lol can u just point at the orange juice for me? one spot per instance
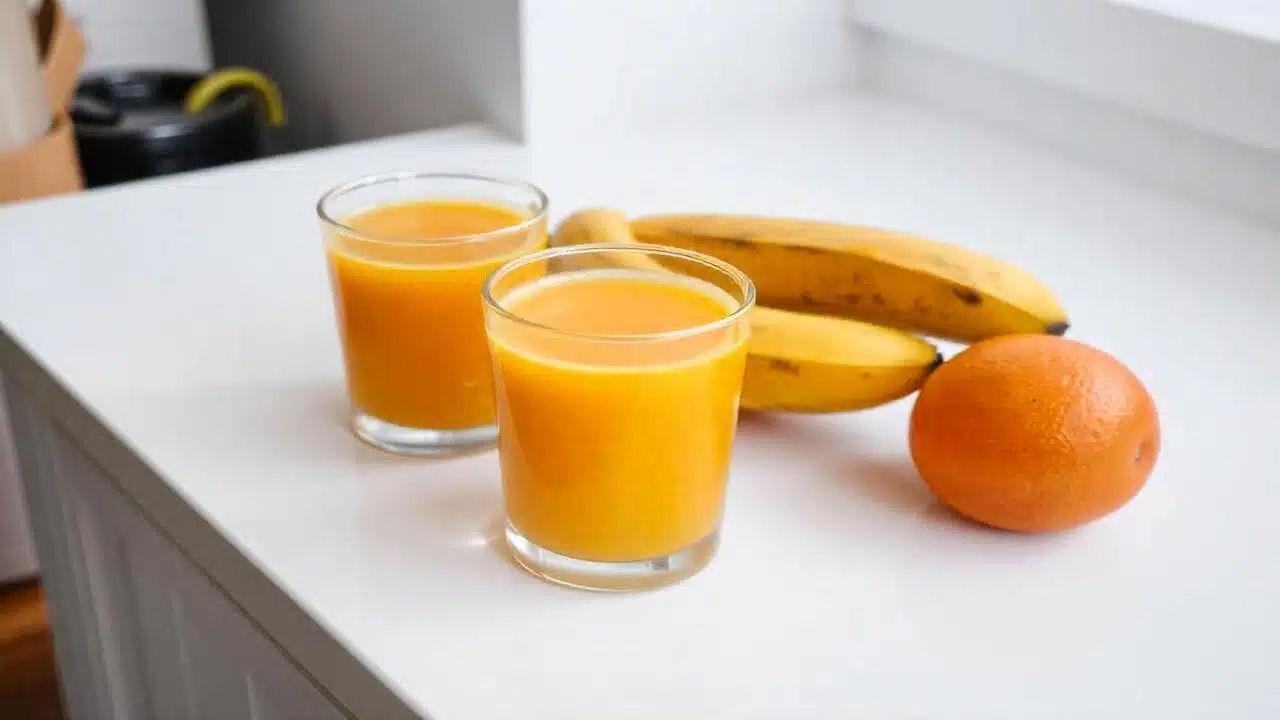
(407, 291)
(616, 450)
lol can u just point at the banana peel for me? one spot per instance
(878, 276)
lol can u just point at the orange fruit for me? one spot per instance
(1034, 433)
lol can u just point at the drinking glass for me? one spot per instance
(618, 371)
(408, 253)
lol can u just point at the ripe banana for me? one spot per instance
(879, 276)
(795, 362)
(814, 363)
(594, 226)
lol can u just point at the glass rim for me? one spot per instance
(365, 181)
(740, 278)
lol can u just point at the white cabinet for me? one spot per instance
(141, 632)
(17, 555)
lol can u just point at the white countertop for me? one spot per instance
(1252, 18)
(192, 317)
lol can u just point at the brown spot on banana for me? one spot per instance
(784, 366)
(1058, 328)
(919, 306)
(738, 243)
(782, 407)
(967, 296)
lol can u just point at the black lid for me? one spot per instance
(134, 112)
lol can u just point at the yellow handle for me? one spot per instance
(211, 86)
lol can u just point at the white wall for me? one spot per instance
(604, 63)
(1169, 91)
(1209, 80)
(351, 70)
(140, 33)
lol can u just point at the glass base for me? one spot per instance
(611, 576)
(422, 443)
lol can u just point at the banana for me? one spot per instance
(879, 276)
(817, 364)
(796, 362)
(601, 226)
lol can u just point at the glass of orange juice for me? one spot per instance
(407, 254)
(618, 370)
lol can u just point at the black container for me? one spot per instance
(131, 125)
